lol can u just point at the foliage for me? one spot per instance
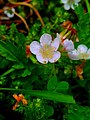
(37, 110)
(83, 25)
(53, 90)
(78, 112)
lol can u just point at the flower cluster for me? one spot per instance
(70, 3)
(82, 52)
(46, 50)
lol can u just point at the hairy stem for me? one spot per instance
(24, 21)
(31, 6)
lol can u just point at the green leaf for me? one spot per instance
(62, 86)
(3, 62)
(83, 26)
(2, 117)
(49, 95)
(76, 112)
(7, 72)
(20, 66)
(59, 97)
(26, 72)
(7, 50)
(52, 83)
(79, 10)
(49, 111)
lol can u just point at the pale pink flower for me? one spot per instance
(68, 45)
(9, 12)
(46, 50)
(82, 52)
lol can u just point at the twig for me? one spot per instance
(31, 6)
(24, 21)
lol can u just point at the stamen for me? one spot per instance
(84, 55)
(47, 51)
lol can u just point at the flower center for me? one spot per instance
(83, 55)
(71, 1)
(47, 51)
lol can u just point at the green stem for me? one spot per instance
(54, 70)
(88, 6)
(7, 72)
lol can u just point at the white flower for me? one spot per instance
(68, 45)
(9, 12)
(46, 50)
(70, 3)
(73, 55)
(82, 52)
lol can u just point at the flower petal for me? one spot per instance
(56, 42)
(45, 39)
(66, 6)
(56, 56)
(73, 55)
(64, 1)
(82, 48)
(72, 6)
(41, 59)
(34, 47)
(13, 10)
(68, 45)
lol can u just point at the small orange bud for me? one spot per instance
(15, 106)
(79, 70)
(24, 101)
(16, 97)
(19, 98)
(67, 24)
(69, 32)
(28, 53)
